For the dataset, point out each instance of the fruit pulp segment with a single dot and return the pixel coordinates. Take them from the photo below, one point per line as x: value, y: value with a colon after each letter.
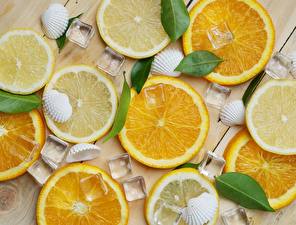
x: 67, y: 203
x: 249, y: 35
x: 163, y: 132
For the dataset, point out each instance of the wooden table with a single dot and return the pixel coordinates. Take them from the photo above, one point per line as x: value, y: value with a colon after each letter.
x: 20, y: 13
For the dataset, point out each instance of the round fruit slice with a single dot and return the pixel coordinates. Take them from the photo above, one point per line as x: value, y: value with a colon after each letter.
x: 238, y: 31
x: 132, y: 29
x: 275, y: 173
x: 26, y: 61
x: 93, y: 99
x: 80, y: 194
x: 21, y: 139
x: 172, y: 193
x: 271, y: 117
x: 167, y: 123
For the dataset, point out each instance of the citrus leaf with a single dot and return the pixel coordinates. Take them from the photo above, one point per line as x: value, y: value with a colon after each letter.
x: 121, y: 112
x: 199, y: 63
x: 188, y: 165
x: 140, y: 73
x: 12, y: 103
x: 174, y: 18
x: 61, y: 41
x: 252, y: 87
x: 243, y: 190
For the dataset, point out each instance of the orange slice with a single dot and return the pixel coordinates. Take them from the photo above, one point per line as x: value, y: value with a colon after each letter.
x: 80, y: 194
x: 167, y: 123
x: 275, y: 173
x: 252, y: 31
x: 21, y: 139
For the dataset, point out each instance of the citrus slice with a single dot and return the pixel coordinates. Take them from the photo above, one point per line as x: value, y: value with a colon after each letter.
x: 93, y: 99
x: 21, y: 139
x: 242, y: 34
x: 132, y: 29
x: 271, y: 118
x: 275, y: 173
x: 26, y: 61
x: 172, y: 192
x: 80, y: 194
x: 167, y: 123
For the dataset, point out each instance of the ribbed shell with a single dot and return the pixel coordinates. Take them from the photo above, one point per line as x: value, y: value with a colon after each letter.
x: 83, y: 152
x: 57, y: 106
x: 55, y: 21
x: 166, y: 61
x: 233, y: 113
x: 200, y: 210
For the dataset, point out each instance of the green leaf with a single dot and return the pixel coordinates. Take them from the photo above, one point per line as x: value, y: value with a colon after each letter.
x: 61, y: 41
x: 199, y: 63
x: 243, y: 190
x: 140, y: 73
x: 174, y: 18
x: 12, y: 103
x: 252, y: 87
x: 188, y: 165
x: 121, y: 113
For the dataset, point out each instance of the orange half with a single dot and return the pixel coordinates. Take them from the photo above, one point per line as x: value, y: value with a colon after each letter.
x: 275, y: 173
x: 250, y: 37
x: 167, y: 123
x: 21, y: 139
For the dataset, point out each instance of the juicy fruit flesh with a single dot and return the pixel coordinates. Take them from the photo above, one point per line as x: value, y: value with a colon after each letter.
x: 67, y: 203
x: 247, y: 27
x: 20, y: 66
x: 176, y: 196
x: 136, y: 25
x: 90, y: 101
x: 275, y: 173
x: 277, y: 107
x: 164, y: 132
x: 17, y: 137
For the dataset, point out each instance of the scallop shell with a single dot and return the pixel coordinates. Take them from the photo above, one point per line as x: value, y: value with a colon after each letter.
x: 233, y: 113
x: 83, y: 152
x: 200, y: 210
x: 55, y: 20
x: 292, y: 56
x: 166, y: 61
x: 57, y: 106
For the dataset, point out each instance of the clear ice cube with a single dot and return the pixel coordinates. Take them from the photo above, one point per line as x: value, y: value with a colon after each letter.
x: 54, y: 151
x: 212, y: 165
x: 120, y: 166
x: 93, y: 187
x: 110, y: 62
x: 220, y: 35
x: 40, y: 171
x: 80, y: 33
x: 237, y: 216
x: 279, y: 66
x: 167, y: 214
x: 154, y: 96
x: 216, y: 95
x: 134, y: 188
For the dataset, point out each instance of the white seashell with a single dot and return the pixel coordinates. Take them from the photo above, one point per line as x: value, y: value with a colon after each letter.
x: 233, y: 113
x: 55, y: 20
x: 57, y: 106
x: 83, y: 152
x: 200, y: 210
x: 166, y: 61
x: 292, y: 56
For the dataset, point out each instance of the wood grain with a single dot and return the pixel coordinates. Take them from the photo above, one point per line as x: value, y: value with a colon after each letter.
x: 18, y: 13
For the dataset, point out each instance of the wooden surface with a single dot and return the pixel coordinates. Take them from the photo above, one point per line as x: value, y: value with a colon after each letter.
x: 20, y: 13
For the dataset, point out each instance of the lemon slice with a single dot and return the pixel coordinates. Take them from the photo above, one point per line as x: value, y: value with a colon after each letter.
x: 93, y: 100
x: 26, y: 61
x: 271, y: 116
x: 173, y: 191
x: 133, y: 29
